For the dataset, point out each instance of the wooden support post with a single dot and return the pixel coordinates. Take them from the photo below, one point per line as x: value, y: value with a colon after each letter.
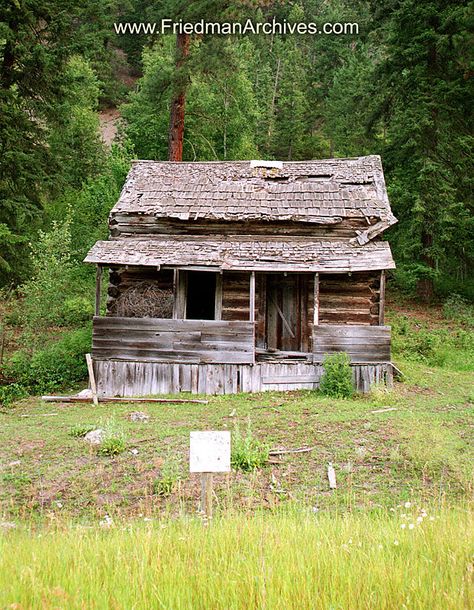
x: 98, y: 286
x: 218, y: 301
x: 90, y: 369
x: 175, y: 293
x: 382, y: 298
x: 206, y: 493
x: 316, y: 300
x: 252, y: 297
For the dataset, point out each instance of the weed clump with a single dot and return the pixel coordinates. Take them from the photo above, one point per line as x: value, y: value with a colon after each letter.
x: 80, y: 430
x: 336, y: 381
x: 113, y: 442
x: 169, y: 479
x: 247, y: 453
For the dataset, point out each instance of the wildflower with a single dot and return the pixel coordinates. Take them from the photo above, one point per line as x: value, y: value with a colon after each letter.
x: 432, y: 518
x: 392, y: 510
x: 147, y: 519
x: 411, y: 526
x: 349, y: 541
x: 380, y: 546
x: 419, y: 519
x: 395, y: 542
x: 403, y: 526
x: 403, y: 516
x: 424, y: 513
x: 407, y: 504
x: 106, y: 522
x: 59, y: 505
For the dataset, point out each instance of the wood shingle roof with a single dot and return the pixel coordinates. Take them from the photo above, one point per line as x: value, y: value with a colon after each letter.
x: 301, y: 191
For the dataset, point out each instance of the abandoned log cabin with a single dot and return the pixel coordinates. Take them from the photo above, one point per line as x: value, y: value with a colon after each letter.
x: 241, y: 276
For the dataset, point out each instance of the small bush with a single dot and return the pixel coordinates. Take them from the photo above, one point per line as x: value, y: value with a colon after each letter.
x: 458, y: 309
x: 247, y: 452
x: 114, y: 441
x: 337, y: 377
x: 12, y: 392
x: 80, y: 430
x: 112, y: 445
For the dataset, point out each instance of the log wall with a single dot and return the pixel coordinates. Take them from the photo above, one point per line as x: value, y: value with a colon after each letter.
x: 137, y: 225
x: 235, y: 296
x: 349, y: 299
x: 118, y: 378
x: 162, y: 340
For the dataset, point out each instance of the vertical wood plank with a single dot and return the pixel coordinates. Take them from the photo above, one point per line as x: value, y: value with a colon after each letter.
x: 252, y: 297
x: 382, y: 298
x: 316, y: 300
x: 175, y: 293
x: 218, y: 302
x: 98, y: 289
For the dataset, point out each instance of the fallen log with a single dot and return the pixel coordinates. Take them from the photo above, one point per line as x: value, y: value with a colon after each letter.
x: 86, y: 399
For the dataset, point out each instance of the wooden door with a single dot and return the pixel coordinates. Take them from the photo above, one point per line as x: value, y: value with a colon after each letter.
x: 287, y: 326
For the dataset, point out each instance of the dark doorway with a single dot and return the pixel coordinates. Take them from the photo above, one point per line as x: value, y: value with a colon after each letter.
x: 287, y: 312
x: 201, y: 295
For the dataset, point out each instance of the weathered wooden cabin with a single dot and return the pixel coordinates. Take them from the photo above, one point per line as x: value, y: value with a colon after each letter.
x: 230, y: 277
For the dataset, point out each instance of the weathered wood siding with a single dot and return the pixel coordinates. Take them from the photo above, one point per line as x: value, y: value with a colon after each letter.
x: 119, y: 378
x: 362, y: 343
x: 136, y: 225
x: 349, y: 299
x: 162, y: 340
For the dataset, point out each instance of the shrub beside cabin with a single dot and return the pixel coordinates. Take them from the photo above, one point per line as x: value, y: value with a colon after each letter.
x: 232, y: 277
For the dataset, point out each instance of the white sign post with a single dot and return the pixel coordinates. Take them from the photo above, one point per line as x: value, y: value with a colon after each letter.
x: 209, y: 452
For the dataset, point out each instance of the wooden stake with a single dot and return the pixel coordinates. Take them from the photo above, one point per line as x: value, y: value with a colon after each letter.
x: 90, y: 370
x: 332, y: 476
x: 206, y: 493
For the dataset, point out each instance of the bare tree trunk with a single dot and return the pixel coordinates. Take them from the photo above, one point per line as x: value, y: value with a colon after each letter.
x: 425, y: 285
x: 178, y: 102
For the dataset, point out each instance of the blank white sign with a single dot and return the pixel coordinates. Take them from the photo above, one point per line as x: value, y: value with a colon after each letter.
x: 209, y: 451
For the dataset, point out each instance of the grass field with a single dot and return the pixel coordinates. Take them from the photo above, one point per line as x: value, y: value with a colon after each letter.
x: 423, y: 449
x: 86, y: 530
x: 299, y: 560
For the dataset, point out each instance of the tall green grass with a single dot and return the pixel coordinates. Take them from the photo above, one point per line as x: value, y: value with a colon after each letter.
x: 283, y: 561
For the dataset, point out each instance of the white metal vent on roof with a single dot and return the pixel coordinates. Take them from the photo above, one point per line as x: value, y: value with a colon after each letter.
x: 275, y: 164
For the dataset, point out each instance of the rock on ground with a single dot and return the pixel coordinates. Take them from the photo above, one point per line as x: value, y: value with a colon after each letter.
x: 95, y: 437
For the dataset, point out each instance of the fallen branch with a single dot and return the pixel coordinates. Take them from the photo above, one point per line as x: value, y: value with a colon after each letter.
x: 385, y: 410
x: 39, y: 415
x: 88, y: 399
x: 283, y: 451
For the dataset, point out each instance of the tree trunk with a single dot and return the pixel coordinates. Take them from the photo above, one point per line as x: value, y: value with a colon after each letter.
x: 425, y: 286
x: 178, y: 102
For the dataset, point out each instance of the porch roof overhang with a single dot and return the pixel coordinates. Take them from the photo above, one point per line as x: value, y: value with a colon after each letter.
x: 244, y: 254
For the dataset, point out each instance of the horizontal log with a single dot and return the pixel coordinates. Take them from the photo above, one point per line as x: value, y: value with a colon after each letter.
x: 85, y: 399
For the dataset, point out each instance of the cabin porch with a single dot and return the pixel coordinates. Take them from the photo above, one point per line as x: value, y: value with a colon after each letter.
x: 239, y: 331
